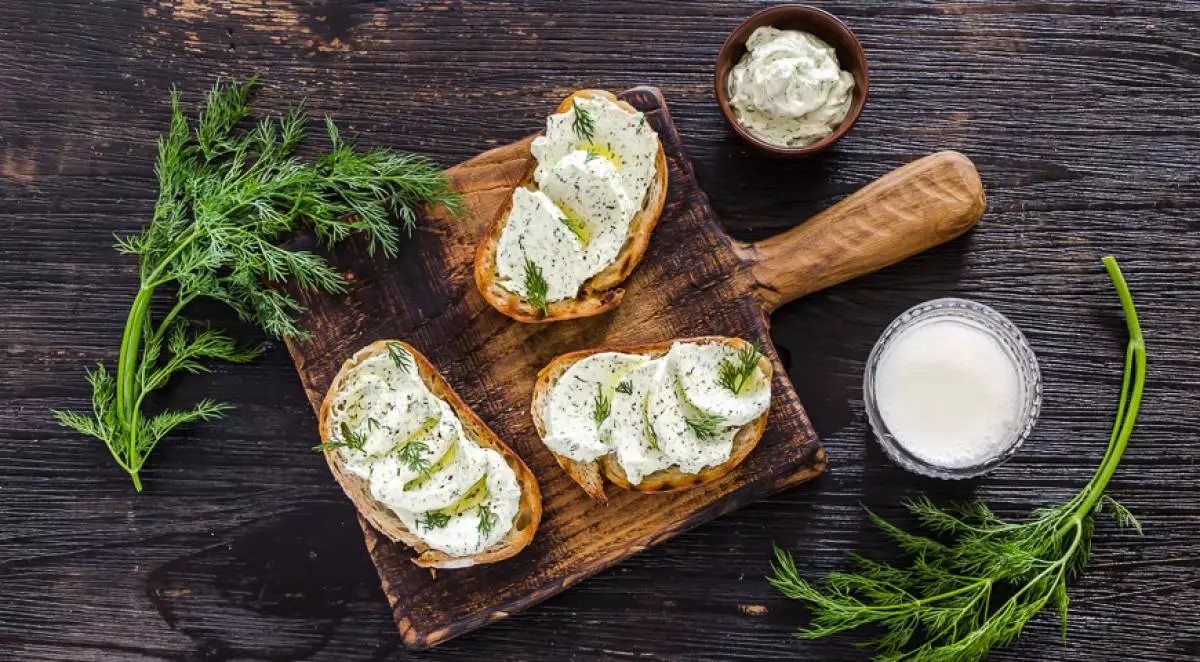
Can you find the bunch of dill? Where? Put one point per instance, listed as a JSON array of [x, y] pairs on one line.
[[229, 192]]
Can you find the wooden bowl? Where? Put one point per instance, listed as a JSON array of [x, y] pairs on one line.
[[814, 21]]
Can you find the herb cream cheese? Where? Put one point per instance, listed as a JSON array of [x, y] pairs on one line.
[[595, 165], [391, 431], [653, 413], [788, 89]]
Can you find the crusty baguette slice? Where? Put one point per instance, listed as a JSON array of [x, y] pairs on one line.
[[591, 475], [599, 293], [384, 519]]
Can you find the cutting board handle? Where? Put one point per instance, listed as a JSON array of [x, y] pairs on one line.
[[912, 208]]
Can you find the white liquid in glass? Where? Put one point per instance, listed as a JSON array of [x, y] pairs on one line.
[[949, 392]]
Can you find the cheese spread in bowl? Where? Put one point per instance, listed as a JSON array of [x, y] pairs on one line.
[[791, 80], [789, 89]]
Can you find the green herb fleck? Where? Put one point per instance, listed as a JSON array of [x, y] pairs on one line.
[[400, 356], [583, 125], [350, 439], [705, 427], [536, 287], [734, 373], [487, 520], [601, 407], [435, 520], [625, 387], [414, 456]]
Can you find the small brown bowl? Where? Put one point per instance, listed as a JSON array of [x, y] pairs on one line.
[[814, 21]]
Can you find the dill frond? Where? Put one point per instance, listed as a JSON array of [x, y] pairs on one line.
[[229, 193]]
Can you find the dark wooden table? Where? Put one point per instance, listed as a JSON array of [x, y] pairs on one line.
[[1080, 116]]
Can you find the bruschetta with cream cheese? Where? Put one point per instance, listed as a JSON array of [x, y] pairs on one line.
[[420, 466], [580, 221], [653, 418]]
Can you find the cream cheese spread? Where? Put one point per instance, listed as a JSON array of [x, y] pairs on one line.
[[788, 89], [652, 413], [391, 431], [595, 165]]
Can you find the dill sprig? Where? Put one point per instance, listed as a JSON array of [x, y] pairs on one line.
[[734, 373], [601, 406], [400, 356], [625, 387], [536, 287], [435, 520], [229, 192], [487, 520], [350, 439], [583, 125], [705, 426], [945, 604], [414, 455]]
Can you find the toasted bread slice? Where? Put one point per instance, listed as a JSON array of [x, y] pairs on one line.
[[599, 293], [591, 475], [384, 520]]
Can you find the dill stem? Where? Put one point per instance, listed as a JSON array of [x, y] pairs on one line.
[[165, 324], [127, 373], [127, 360], [1126, 416]]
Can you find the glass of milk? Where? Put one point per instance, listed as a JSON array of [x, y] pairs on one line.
[[952, 389]]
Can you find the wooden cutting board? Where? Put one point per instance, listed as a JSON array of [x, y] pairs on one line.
[[693, 281]]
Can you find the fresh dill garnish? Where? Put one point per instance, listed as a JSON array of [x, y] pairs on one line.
[[373, 423], [487, 520], [975, 584], [228, 193], [536, 287], [400, 356], [583, 125], [355, 441], [592, 154], [601, 407], [435, 520], [705, 427], [625, 387], [734, 373], [413, 455]]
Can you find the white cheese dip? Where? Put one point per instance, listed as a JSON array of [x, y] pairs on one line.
[[595, 165], [788, 89], [645, 410], [453, 494]]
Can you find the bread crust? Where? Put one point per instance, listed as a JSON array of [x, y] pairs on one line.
[[383, 519], [591, 475], [599, 293]]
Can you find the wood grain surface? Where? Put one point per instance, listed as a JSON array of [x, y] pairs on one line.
[[1079, 115], [690, 283]]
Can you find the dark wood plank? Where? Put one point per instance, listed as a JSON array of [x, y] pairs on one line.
[[690, 283], [1079, 114]]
